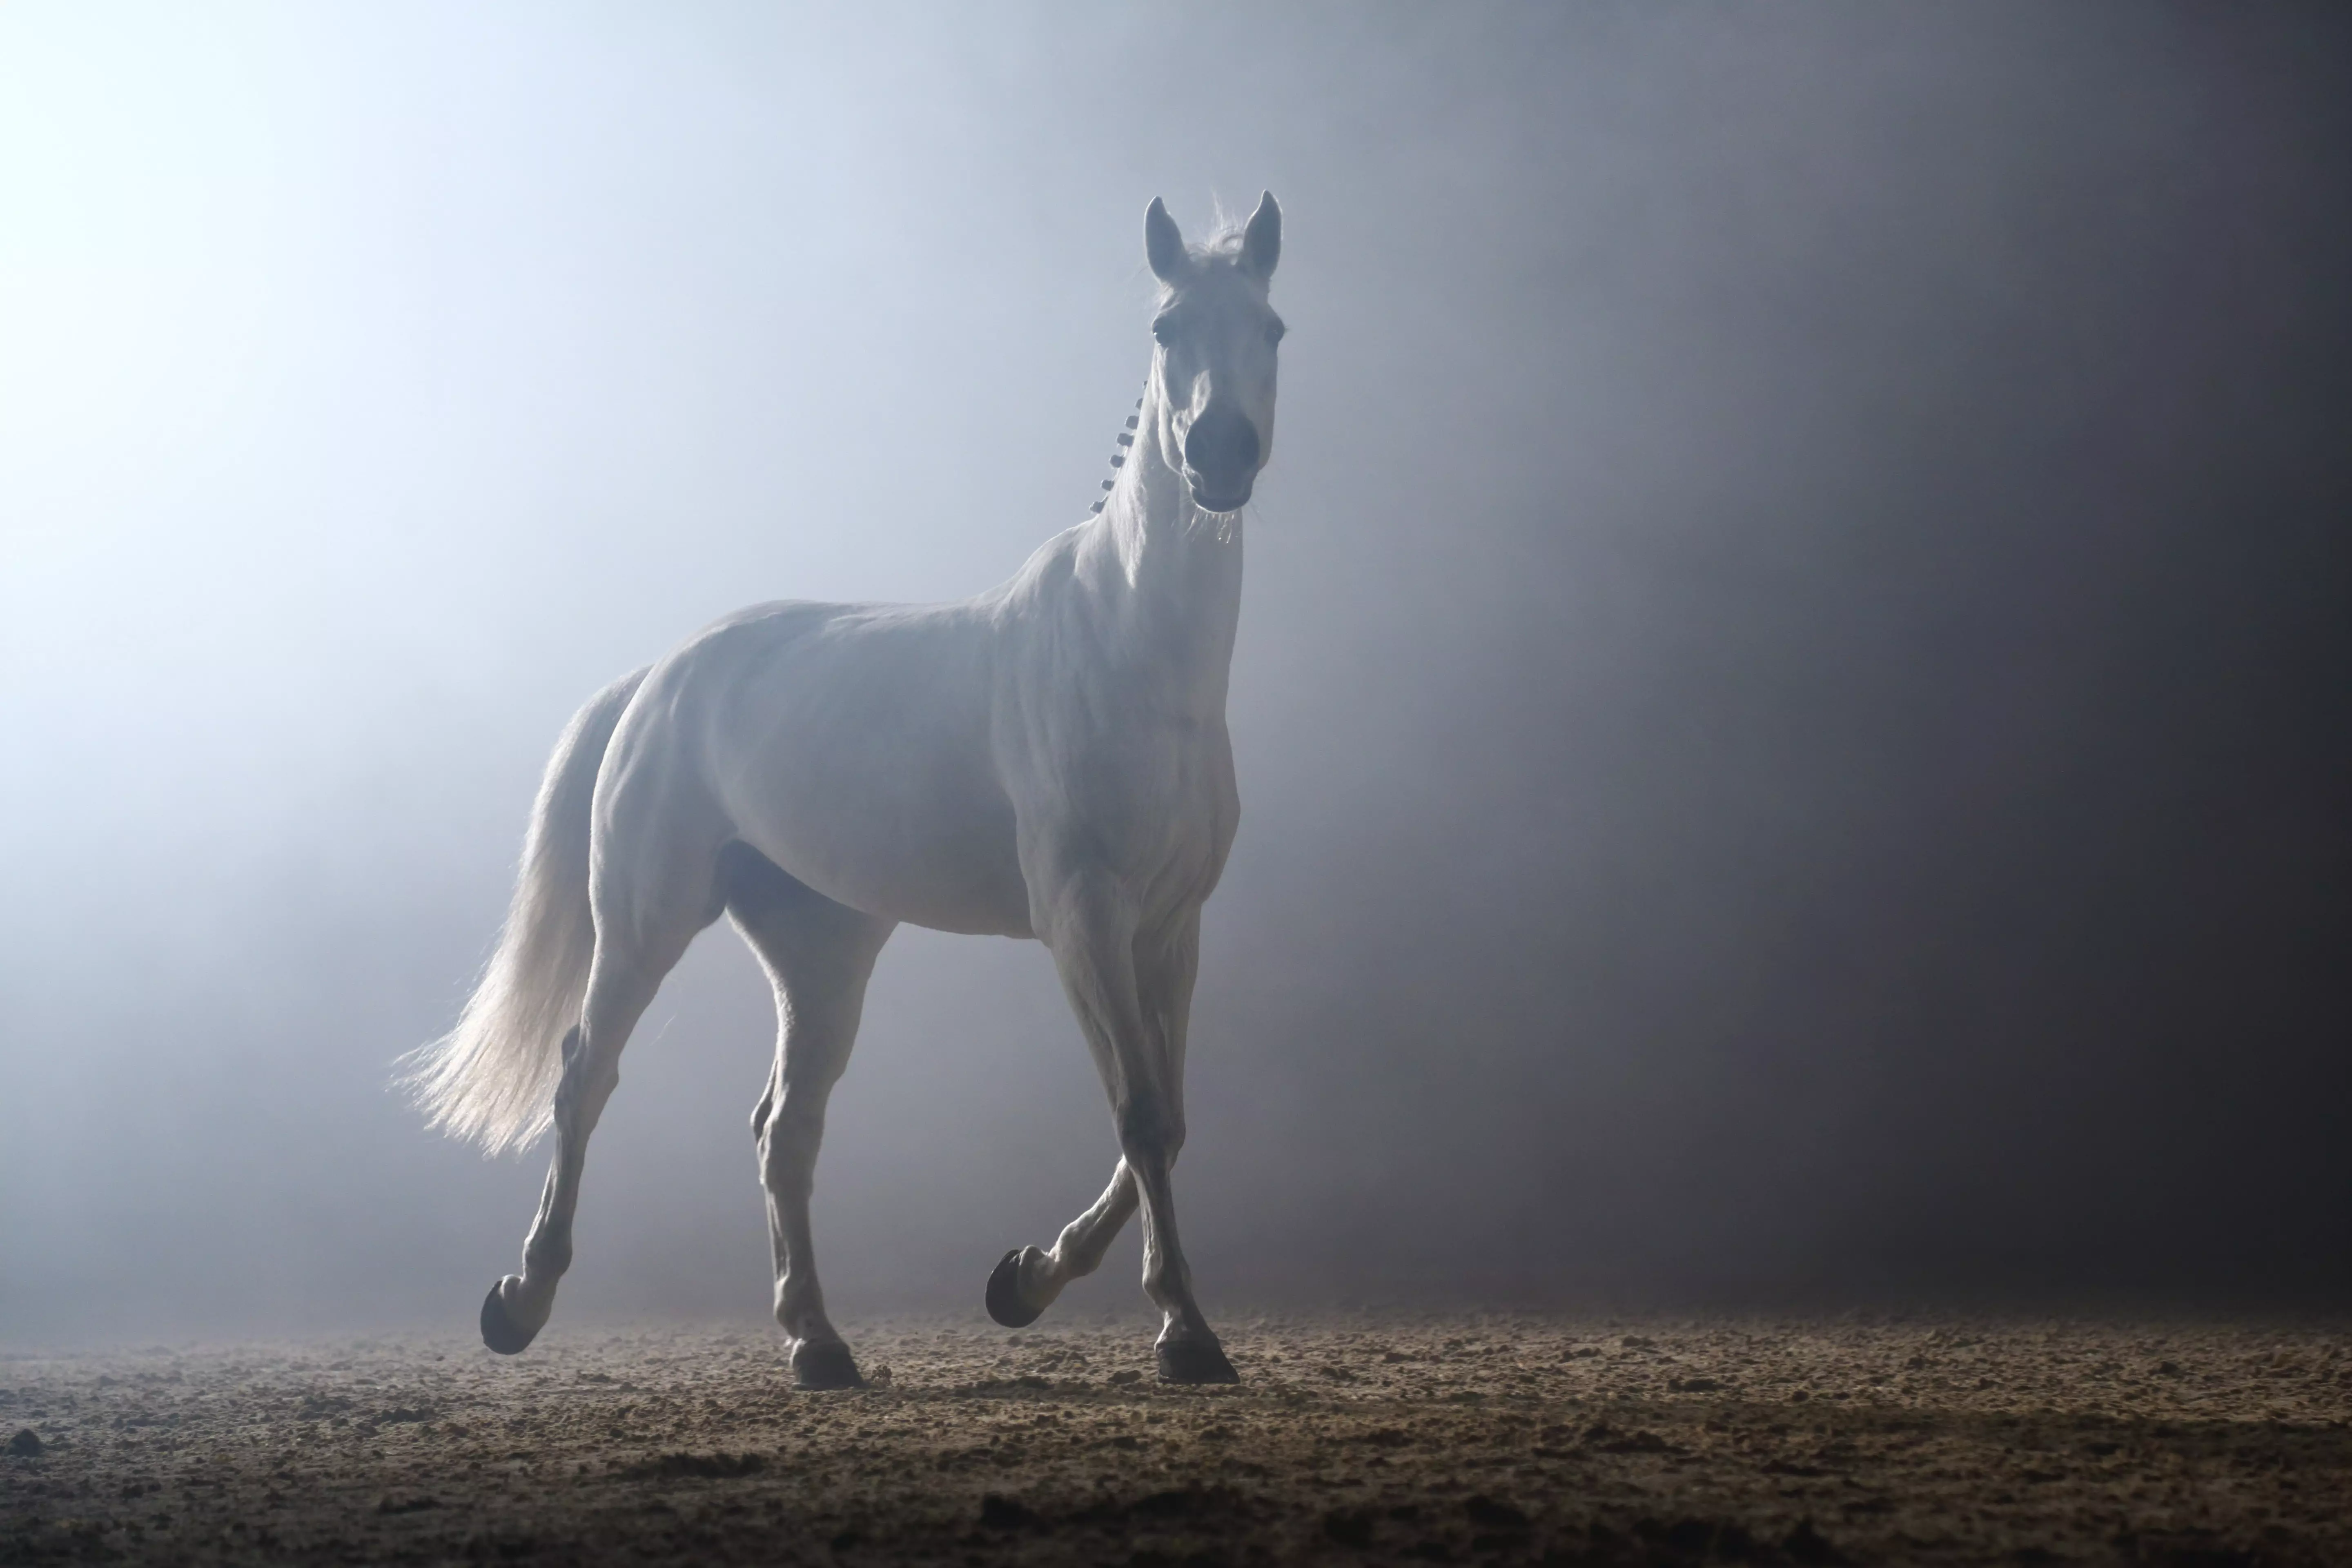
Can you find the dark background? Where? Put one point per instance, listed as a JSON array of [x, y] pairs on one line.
[[1791, 705]]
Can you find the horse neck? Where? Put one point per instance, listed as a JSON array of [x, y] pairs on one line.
[[1174, 572]]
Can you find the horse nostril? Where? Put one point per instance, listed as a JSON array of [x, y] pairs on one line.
[[1222, 442]]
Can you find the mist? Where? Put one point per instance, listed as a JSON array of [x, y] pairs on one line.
[[1791, 706]]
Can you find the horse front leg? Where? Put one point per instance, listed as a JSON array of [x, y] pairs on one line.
[[1131, 990], [1028, 1278]]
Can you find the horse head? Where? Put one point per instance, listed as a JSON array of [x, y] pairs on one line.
[[1215, 363]]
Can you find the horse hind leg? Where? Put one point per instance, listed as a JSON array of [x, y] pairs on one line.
[[644, 923], [819, 955], [619, 989]]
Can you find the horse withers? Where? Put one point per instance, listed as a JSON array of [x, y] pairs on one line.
[[1048, 760]]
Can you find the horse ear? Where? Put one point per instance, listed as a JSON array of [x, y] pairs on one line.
[[1262, 240], [1163, 245]]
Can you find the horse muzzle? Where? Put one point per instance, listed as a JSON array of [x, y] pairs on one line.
[[1222, 457]]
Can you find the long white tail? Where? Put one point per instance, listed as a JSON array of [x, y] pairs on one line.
[[492, 1078]]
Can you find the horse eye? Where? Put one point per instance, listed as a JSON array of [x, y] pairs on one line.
[[1164, 329], [1274, 332]]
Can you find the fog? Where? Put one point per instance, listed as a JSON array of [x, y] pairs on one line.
[[1792, 702]]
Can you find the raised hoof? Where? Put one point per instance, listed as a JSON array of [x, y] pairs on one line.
[[1184, 1360], [499, 1331], [1004, 1302], [817, 1369]]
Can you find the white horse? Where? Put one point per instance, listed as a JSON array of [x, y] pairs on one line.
[[1048, 760]]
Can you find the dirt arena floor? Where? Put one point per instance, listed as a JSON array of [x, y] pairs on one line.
[[1464, 1439]]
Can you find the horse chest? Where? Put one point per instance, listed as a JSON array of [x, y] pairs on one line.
[[1148, 797]]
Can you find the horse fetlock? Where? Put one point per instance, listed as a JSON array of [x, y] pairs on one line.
[[1075, 1257], [528, 1297], [800, 1309]]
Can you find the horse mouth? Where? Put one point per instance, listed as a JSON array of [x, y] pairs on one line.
[[1203, 497]]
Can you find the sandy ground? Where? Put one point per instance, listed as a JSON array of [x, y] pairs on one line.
[[1464, 1439]]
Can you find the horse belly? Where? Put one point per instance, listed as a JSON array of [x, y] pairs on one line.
[[877, 792], [949, 864]]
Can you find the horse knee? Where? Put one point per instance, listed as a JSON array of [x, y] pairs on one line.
[[788, 1140], [1150, 1131]]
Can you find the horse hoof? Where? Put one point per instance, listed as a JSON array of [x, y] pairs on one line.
[[1004, 1302], [499, 1331], [819, 1368], [1186, 1361]]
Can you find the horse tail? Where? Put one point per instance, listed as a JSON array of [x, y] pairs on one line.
[[492, 1078]]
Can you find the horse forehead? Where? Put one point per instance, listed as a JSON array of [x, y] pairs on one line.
[[1223, 292]]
